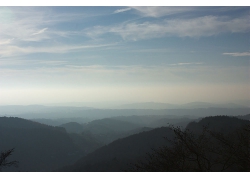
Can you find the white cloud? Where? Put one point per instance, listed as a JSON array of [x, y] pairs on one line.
[[24, 62], [6, 51], [195, 27], [191, 63], [121, 10], [40, 32], [23, 30], [238, 54], [153, 50], [158, 11], [29, 24], [6, 41]]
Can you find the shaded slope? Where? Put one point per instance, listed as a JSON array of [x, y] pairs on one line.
[[15, 122], [214, 144], [72, 127], [108, 130], [118, 155], [38, 147], [246, 117], [121, 154], [109, 125], [223, 124]]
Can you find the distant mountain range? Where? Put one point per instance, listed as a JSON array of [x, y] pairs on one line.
[[107, 130], [198, 109], [192, 105]]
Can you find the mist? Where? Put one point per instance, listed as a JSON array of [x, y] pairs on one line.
[[124, 89]]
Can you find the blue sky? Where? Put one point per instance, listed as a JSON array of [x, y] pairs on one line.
[[128, 54]]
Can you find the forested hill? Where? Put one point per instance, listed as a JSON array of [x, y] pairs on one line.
[[122, 154], [223, 124], [214, 144], [38, 147], [15, 122], [118, 155]]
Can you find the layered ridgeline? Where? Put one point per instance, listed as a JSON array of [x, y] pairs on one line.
[[40, 147], [198, 109], [213, 144], [109, 129], [118, 155], [85, 147], [130, 153]]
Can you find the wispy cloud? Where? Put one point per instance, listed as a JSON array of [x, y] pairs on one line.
[[6, 41], [35, 30], [6, 51], [194, 27], [40, 32], [24, 62], [238, 54], [160, 50], [157, 11], [121, 10], [161, 11], [29, 24], [191, 63]]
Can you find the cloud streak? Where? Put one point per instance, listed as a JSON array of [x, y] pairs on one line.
[[183, 64], [121, 10], [40, 32], [238, 54], [157, 11], [194, 27], [7, 51], [31, 24]]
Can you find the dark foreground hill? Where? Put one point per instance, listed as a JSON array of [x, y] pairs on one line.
[[213, 144], [118, 155], [38, 147], [222, 124], [217, 149], [223, 146]]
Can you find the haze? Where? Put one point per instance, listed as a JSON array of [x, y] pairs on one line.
[[124, 54]]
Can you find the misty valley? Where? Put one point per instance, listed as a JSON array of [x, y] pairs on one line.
[[124, 88], [124, 140]]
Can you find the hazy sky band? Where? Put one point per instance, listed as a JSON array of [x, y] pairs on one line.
[[123, 53]]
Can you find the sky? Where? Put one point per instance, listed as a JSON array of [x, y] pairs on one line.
[[124, 54]]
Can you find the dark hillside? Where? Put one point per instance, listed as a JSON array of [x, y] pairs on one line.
[[223, 124], [15, 122], [118, 155], [72, 127], [246, 117], [107, 130], [109, 125], [213, 144], [221, 153], [38, 147]]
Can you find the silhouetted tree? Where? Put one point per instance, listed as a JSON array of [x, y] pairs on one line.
[[3, 159], [204, 151]]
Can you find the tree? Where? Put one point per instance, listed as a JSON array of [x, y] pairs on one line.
[[3, 159], [204, 151]]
